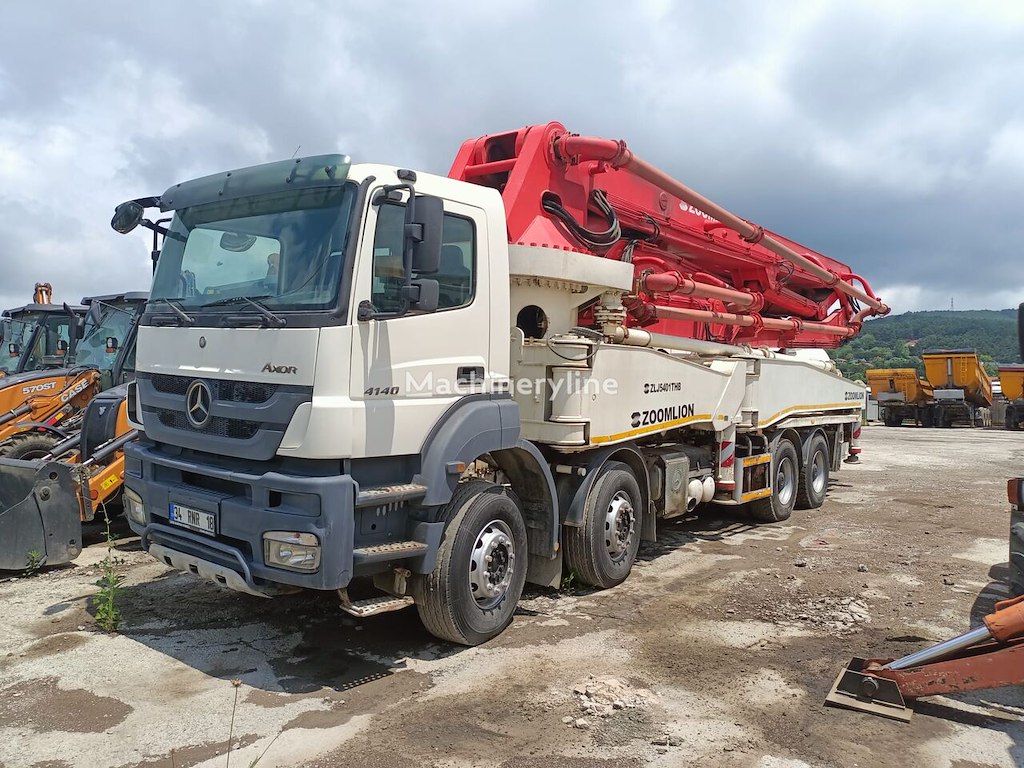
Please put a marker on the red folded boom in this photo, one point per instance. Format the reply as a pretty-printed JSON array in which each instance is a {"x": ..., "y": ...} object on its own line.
[{"x": 701, "y": 272}]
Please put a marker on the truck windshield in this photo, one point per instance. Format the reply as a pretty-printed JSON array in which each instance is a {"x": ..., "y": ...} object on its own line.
[
  {"x": 285, "y": 249},
  {"x": 115, "y": 324}
]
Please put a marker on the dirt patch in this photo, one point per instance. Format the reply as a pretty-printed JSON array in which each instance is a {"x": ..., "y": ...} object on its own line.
[
  {"x": 721, "y": 646},
  {"x": 34, "y": 703},
  {"x": 187, "y": 757}
]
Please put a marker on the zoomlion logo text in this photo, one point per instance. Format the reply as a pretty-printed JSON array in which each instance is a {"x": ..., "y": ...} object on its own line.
[
  {"x": 660, "y": 415},
  {"x": 39, "y": 388},
  {"x": 80, "y": 386},
  {"x": 271, "y": 368},
  {"x": 854, "y": 395}
]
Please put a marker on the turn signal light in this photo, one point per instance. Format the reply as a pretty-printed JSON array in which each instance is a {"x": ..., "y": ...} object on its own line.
[{"x": 1013, "y": 491}]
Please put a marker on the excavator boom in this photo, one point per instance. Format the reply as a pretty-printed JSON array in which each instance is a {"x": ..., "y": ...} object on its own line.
[{"x": 701, "y": 272}]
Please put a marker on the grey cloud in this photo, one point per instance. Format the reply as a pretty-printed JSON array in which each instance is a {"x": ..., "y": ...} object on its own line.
[{"x": 866, "y": 135}]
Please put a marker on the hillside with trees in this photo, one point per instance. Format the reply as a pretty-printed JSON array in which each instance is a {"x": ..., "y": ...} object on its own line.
[{"x": 898, "y": 340}]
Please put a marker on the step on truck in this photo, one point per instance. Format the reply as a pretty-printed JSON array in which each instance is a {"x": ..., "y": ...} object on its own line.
[{"x": 424, "y": 390}]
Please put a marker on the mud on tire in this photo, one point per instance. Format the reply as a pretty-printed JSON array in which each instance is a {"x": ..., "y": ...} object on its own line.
[
  {"x": 814, "y": 474},
  {"x": 785, "y": 470},
  {"x": 601, "y": 553},
  {"x": 472, "y": 593}
]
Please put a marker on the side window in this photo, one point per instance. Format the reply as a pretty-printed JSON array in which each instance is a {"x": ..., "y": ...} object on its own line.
[{"x": 456, "y": 275}]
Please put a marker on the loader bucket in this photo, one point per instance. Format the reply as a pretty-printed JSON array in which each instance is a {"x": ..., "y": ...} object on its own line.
[{"x": 40, "y": 521}]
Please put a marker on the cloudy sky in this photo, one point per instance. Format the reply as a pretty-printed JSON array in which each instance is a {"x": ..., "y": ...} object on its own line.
[{"x": 889, "y": 135}]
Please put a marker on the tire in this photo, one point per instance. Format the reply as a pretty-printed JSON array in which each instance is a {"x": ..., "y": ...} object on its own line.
[
  {"x": 814, "y": 474},
  {"x": 481, "y": 517},
  {"x": 891, "y": 419},
  {"x": 785, "y": 470},
  {"x": 602, "y": 551},
  {"x": 28, "y": 446}
]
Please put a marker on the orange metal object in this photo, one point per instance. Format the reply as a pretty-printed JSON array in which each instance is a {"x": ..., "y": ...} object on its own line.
[
  {"x": 903, "y": 381},
  {"x": 993, "y": 664}
]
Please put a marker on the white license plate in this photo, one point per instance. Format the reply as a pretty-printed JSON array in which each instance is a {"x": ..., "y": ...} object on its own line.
[{"x": 196, "y": 519}]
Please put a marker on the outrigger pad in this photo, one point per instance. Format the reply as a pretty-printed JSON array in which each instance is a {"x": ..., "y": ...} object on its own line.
[
  {"x": 40, "y": 517},
  {"x": 863, "y": 692}
]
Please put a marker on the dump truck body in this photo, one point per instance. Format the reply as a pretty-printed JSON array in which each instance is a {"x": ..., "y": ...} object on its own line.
[
  {"x": 902, "y": 395},
  {"x": 898, "y": 385},
  {"x": 958, "y": 373}
]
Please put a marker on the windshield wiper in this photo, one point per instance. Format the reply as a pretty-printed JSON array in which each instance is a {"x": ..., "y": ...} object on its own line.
[
  {"x": 275, "y": 319},
  {"x": 185, "y": 318}
]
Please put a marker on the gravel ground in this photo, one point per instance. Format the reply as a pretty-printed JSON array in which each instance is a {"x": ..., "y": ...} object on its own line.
[{"x": 718, "y": 650}]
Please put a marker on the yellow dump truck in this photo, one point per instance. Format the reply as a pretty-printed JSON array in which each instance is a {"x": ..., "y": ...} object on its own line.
[
  {"x": 963, "y": 390},
  {"x": 901, "y": 395},
  {"x": 1011, "y": 379}
]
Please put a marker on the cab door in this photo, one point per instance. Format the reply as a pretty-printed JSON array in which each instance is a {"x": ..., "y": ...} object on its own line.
[{"x": 407, "y": 370}]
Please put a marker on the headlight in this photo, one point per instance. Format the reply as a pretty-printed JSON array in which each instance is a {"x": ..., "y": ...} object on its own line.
[
  {"x": 292, "y": 551},
  {"x": 134, "y": 507}
]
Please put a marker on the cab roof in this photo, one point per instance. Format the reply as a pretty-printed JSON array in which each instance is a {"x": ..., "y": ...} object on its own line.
[
  {"x": 128, "y": 296},
  {"x": 55, "y": 308}
]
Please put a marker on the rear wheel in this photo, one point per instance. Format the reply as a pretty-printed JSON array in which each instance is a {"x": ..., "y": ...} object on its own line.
[
  {"x": 785, "y": 482},
  {"x": 892, "y": 419},
  {"x": 28, "y": 446},
  {"x": 472, "y": 593},
  {"x": 601, "y": 553},
  {"x": 814, "y": 477}
]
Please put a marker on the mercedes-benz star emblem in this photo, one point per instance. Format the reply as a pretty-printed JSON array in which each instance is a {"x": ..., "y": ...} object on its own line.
[{"x": 198, "y": 399}]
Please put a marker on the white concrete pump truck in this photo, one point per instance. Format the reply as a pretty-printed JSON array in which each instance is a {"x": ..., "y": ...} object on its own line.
[{"x": 440, "y": 388}]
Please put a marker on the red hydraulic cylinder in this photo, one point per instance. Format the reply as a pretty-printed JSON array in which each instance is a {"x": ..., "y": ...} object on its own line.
[
  {"x": 568, "y": 147},
  {"x": 748, "y": 321}
]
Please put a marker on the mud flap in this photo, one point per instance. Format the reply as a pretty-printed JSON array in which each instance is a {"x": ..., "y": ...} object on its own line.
[{"x": 40, "y": 519}]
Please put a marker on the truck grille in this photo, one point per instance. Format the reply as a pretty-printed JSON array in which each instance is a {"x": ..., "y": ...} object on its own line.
[
  {"x": 237, "y": 429},
  {"x": 232, "y": 391}
]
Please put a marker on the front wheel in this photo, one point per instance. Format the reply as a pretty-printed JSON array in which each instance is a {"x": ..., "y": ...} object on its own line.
[
  {"x": 814, "y": 478},
  {"x": 785, "y": 474},
  {"x": 472, "y": 593},
  {"x": 28, "y": 446}
]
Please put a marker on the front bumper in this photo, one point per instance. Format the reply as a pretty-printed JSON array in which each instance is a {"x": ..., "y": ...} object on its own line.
[{"x": 246, "y": 503}]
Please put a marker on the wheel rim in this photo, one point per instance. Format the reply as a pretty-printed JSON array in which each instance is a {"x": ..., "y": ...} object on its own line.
[
  {"x": 33, "y": 455},
  {"x": 819, "y": 472},
  {"x": 619, "y": 526},
  {"x": 492, "y": 564},
  {"x": 785, "y": 480}
]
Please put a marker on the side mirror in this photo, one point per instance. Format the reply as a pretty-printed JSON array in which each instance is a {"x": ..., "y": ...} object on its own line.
[
  {"x": 127, "y": 217},
  {"x": 423, "y": 225},
  {"x": 423, "y": 295},
  {"x": 111, "y": 344},
  {"x": 78, "y": 323}
]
